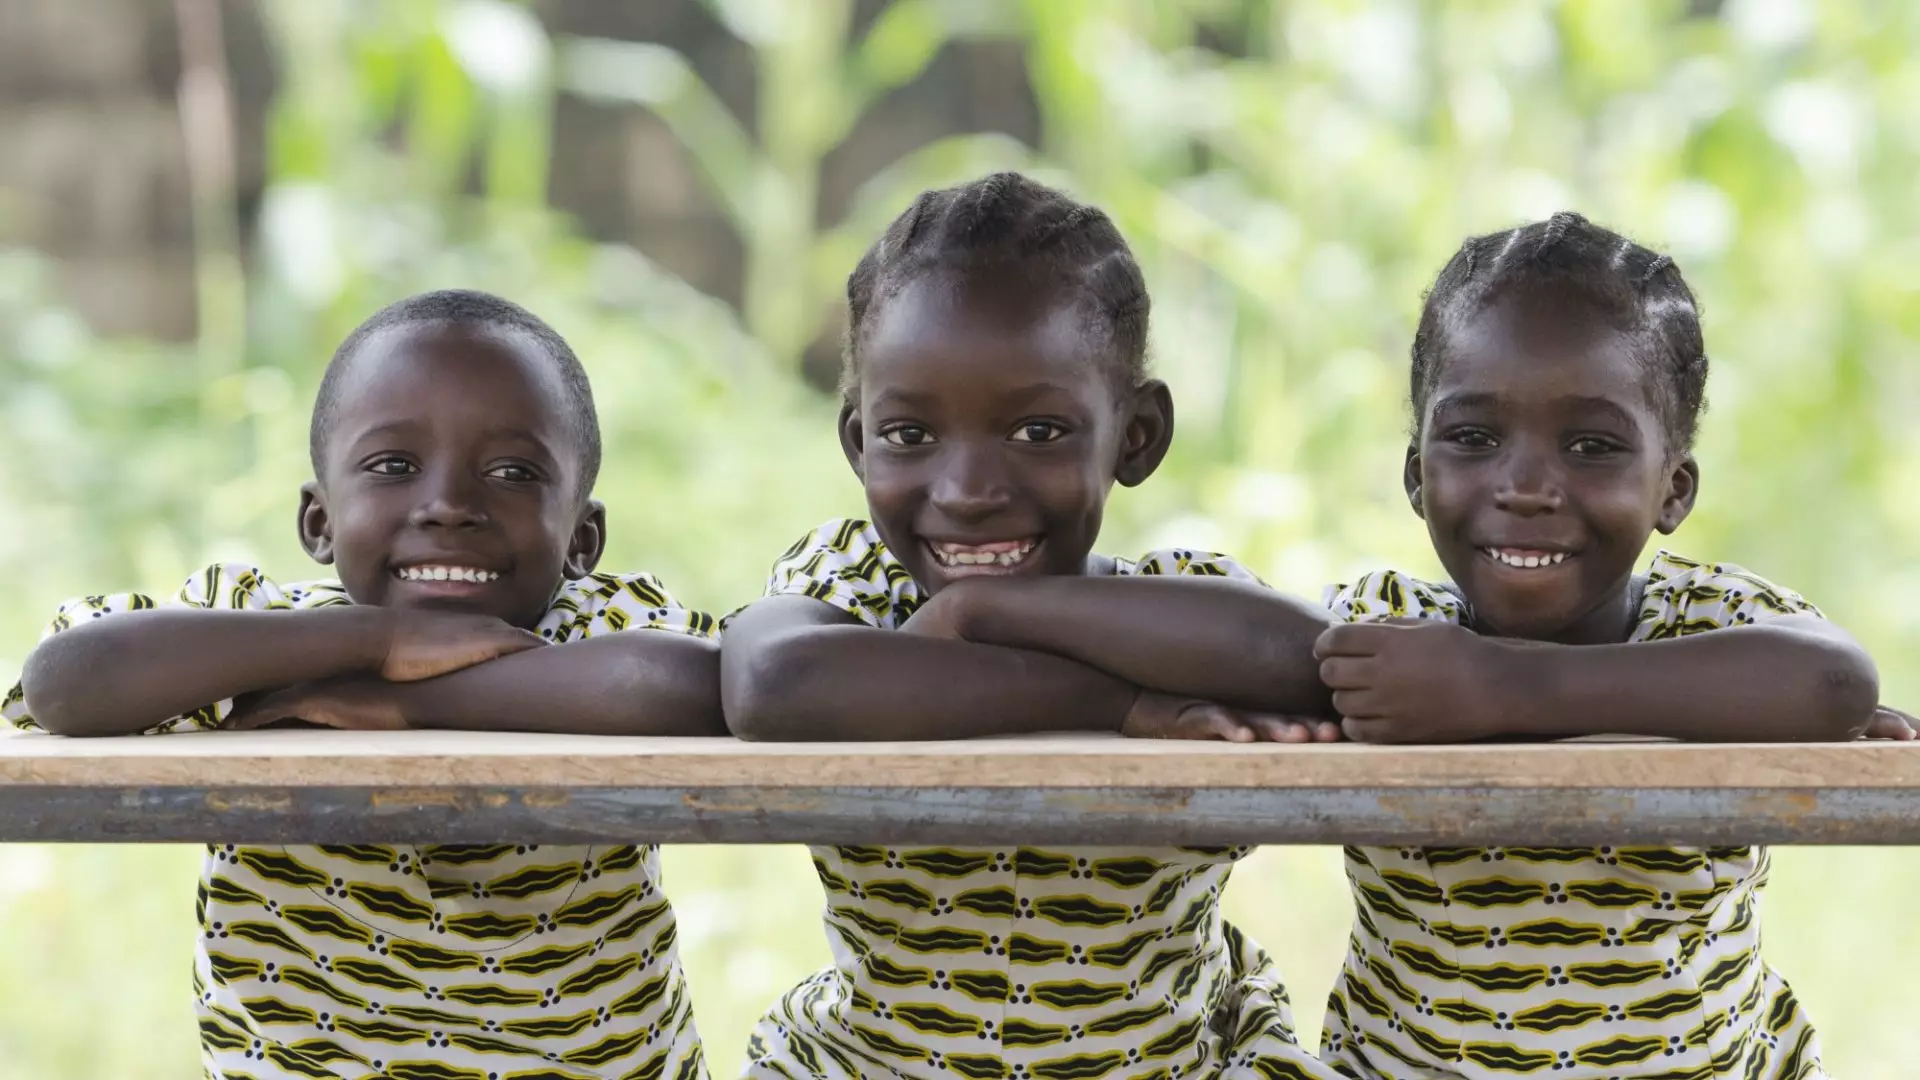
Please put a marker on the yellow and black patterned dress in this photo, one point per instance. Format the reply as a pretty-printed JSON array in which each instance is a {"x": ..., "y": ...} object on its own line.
[
  {"x": 1051, "y": 964},
  {"x": 445, "y": 962},
  {"x": 1635, "y": 963}
]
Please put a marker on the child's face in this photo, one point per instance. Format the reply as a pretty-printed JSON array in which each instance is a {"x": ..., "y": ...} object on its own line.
[
  {"x": 451, "y": 477},
  {"x": 1542, "y": 468},
  {"x": 991, "y": 427}
]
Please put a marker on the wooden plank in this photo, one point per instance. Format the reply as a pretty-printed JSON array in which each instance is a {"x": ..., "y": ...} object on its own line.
[{"x": 320, "y": 786}]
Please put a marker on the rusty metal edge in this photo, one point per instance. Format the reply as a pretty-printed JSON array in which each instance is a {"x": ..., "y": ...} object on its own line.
[{"x": 979, "y": 816}]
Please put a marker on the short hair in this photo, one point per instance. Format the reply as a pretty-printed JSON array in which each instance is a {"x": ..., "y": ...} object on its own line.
[
  {"x": 1006, "y": 219},
  {"x": 1637, "y": 290},
  {"x": 479, "y": 310}
]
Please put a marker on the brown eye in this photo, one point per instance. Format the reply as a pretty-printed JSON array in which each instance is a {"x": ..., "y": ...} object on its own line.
[
  {"x": 518, "y": 474},
  {"x": 391, "y": 466},
  {"x": 906, "y": 435},
  {"x": 1039, "y": 431}
]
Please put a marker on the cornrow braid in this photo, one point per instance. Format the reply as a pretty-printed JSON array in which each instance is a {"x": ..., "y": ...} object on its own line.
[
  {"x": 1006, "y": 219},
  {"x": 1636, "y": 289}
]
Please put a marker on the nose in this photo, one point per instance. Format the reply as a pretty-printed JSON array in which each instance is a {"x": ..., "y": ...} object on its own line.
[
  {"x": 1529, "y": 485},
  {"x": 450, "y": 499},
  {"x": 973, "y": 484}
]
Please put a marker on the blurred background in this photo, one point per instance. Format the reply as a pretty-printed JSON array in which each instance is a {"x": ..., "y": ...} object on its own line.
[{"x": 199, "y": 198}]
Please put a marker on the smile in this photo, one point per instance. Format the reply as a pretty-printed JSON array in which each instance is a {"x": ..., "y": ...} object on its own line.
[
  {"x": 467, "y": 574},
  {"x": 1000, "y": 555},
  {"x": 1524, "y": 558}
]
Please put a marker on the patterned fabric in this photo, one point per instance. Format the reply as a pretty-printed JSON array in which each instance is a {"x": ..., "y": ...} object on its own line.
[
  {"x": 1019, "y": 962},
  {"x": 1570, "y": 963},
  {"x": 445, "y": 962}
]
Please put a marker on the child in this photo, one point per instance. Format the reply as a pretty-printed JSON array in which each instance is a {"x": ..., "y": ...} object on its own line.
[
  {"x": 1558, "y": 375},
  {"x": 995, "y": 391},
  {"x": 454, "y": 447}
]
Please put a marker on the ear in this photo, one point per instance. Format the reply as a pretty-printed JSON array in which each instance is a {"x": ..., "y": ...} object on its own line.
[
  {"x": 1148, "y": 434},
  {"x": 853, "y": 439},
  {"x": 1683, "y": 487},
  {"x": 316, "y": 526},
  {"x": 589, "y": 541},
  {"x": 1410, "y": 476}
]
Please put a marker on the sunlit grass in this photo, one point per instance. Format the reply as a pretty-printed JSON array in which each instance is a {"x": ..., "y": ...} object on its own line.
[{"x": 96, "y": 946}]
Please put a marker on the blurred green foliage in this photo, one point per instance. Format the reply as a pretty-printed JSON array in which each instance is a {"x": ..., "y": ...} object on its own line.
[{"x": 1291, "y": 175}]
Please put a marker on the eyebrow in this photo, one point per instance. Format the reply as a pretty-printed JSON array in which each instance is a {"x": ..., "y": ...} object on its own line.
[
  {"x": 1495, "y": 403},
  {"x": 409, "y": 426},
  {"x": 912, "y": 399}
]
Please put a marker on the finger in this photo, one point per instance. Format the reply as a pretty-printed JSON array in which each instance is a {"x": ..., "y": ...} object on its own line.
[
  {"x": 1348, "y": 639},
  {"x": 1279, "y": 729},
  {"x": 1212, "y": 722},
  {"x": 1327, "y": 731},
  {"x": 1357, "y": 704},
  {"x": 264, "y": 710},
  {"x": 1348, "y": 672},
  {"x": 1367, "y": 731},
  {"x": 1890, "y": 724}
]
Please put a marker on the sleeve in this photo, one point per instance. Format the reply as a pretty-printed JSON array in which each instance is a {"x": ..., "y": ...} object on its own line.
[
  {"x": 1686, "y": 597},
  {"x": 221, "y": 587},
  {"x": 1176, "y": 561},
  {"x": 611, "y": 603},
  {"x": 1387, "y": 594},
  {"x": 844, "y": 563}
]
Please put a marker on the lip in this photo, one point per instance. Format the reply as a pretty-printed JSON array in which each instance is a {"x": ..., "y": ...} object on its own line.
[{"x": 1029, "y": 549}]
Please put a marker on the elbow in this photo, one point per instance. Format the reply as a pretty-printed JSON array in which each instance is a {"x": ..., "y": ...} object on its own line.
[
  {"x": 760, "y": 687},
  {"x": 1845, "y": 695},
  {"x": 56, "y": 692}
]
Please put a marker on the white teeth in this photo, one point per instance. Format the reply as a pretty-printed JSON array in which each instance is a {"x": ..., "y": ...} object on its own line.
[
  {"x": 953, "y": 555},
  {"x": 446, "y": 573},
  {"x": 1528, "y": 562}
]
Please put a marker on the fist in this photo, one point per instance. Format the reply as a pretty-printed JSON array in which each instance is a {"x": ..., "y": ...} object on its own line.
[
  {"x": 349, "y": 703},
  {"x": 1414, "y": 681},
  {"x": 1167, "y": 716},
  {"x": 426, "y": 643}
]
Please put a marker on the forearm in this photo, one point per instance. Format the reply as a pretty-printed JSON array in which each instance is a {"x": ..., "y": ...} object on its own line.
[
  {"x": 850, "y": 683},
  {"x": 1233, "y": 642},
  {"x": 1783, "y": 681},
  {"x": 634, "y": 683},
  {"x": 127, "y": 672}
]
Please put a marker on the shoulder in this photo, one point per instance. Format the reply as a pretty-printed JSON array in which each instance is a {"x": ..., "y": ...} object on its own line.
[
  {"x": 1686, "y": 596},
  {"x": 844, "y": 563},
  {"x": 613, "y": 602},
  {"x": 1387, "y": 594},
  {"x": 1186, "y": 562}
]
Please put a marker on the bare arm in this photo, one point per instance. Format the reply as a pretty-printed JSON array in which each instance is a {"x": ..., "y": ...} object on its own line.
[
  {"x": 1797, "y": 678},
  {"x": 1792, "y": 678},
  {"x": 797, "y": 669},
  {"x": 127, "y": 672},
  {"x": 633, "y": 683},
  {"x": 1229, "y": 641}
]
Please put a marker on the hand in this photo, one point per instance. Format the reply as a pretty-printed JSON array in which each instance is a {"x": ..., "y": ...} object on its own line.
[
  {"x": 1892, "y": 724},
  {"x": 349, "y": 703},
  {"x": 1167, "y": 716},
  {"x": 940, "y": 615},
  {"x": 426, "y": 643},
  {"x": 1414, "y": 680}
]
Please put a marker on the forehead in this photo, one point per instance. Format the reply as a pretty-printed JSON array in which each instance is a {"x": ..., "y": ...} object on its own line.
[
  {"x": 497, "y": 374},
  {"x": 982, "y": 325},
  {"x": 1541, "y": 345}
]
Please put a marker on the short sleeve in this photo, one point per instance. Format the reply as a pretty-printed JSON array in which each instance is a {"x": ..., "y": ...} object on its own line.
[
  {"x": 1388, "y": 594},
  {"x": 222, "y": 587},
  {"x": 844, "y": 563},
  {"x": 1179, "y": 562},
  {"x": 1687, "y": 597},
  {"x": 611, "y": 603}
]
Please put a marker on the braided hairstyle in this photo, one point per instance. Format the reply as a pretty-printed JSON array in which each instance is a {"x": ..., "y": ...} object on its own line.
[
  {"x": 1638, "y": 291},
  {"x": 1006, "y": 220}
]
